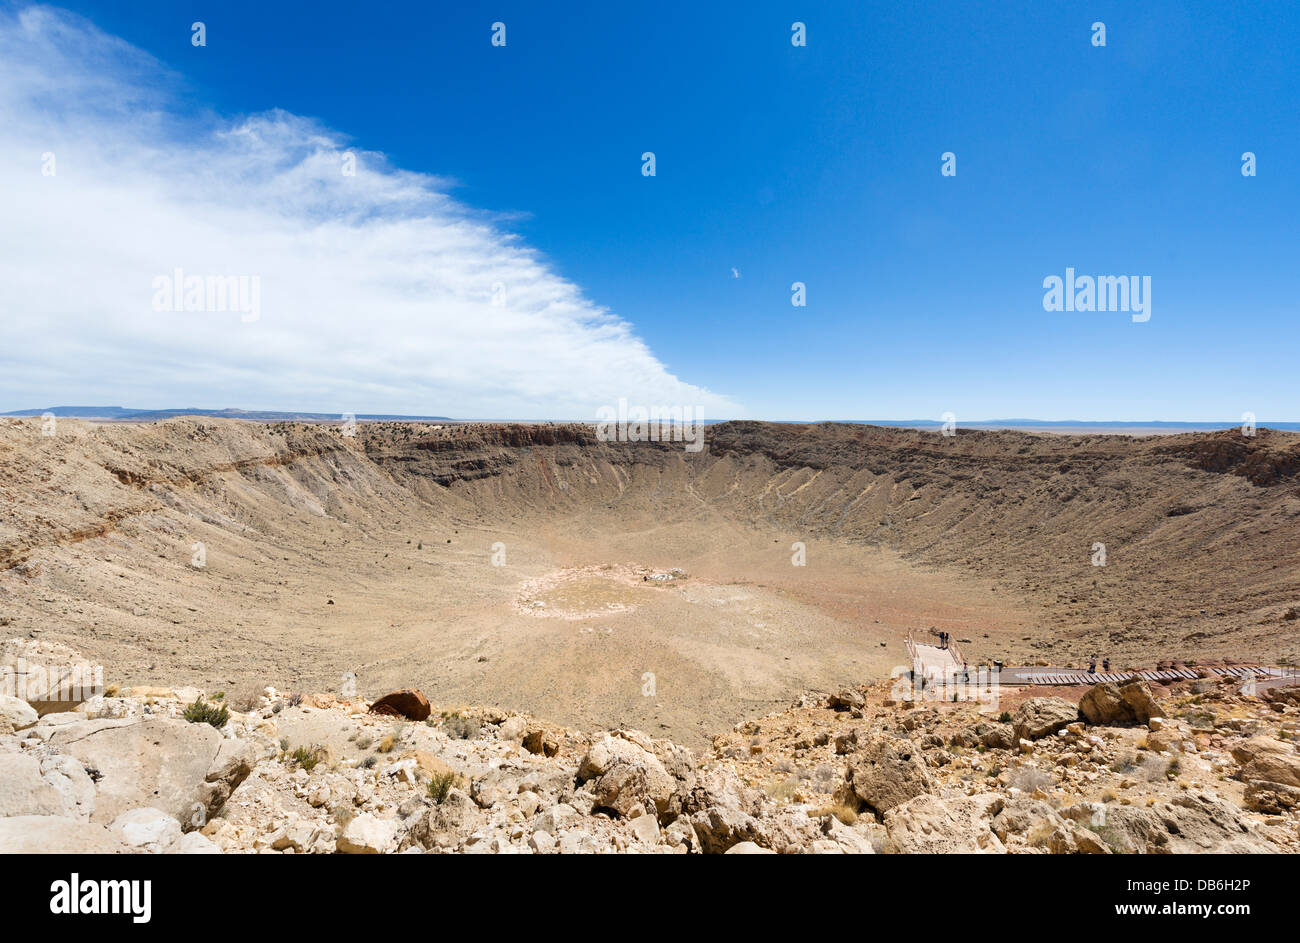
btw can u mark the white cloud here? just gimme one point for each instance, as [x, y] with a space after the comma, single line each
[376, 289]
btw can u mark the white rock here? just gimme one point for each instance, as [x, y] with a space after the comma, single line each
[556, 818]
[367, 835]
[513, 729]
[194, 843]
[748, 848]
[24, 792]
[150, 830]
[18, 712]
[53, 835]
[646, 829]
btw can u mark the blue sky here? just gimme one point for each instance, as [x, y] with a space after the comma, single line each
[817, 164]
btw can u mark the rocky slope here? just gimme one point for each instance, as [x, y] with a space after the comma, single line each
[1195, 768]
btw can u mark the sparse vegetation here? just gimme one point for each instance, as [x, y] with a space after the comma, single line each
[841, 810]
[306, 757]
[246, 698]
[440, 785]
[458, 727]
[202, 713]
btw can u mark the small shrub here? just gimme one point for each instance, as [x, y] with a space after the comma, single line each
[784, 790]
[1154, 768]
[841, 810]
[440, 785]
[201, 713]
[1004, 717]
[1040, 835]
[386, 745]
[247, 698]
[460, 728]
[306, 758]
[369, 762]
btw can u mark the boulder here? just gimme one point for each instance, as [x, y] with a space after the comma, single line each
[367, 835]
[886, 773]
[185, 770]
[1271, 798]
[408, 703]
[1280, 768]
[847, 700]
[55, 835]
[995, 736]
[1190, 823]
[194, 843]
[848, 840]
[748, 848]
[1271, 771]
[54, 677]
[646, 829]
[1113, 705]
[624, 773]
[722, 812]
[448, 824]
[23, 791]
[513, 729]
[17, 713]
[927, 824]
[148, 830]
[541, 741]
[70, 779]
[428, 765]
[1042, 716]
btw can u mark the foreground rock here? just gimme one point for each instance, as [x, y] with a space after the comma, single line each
[1111, 704]
[186, 770]
[321, 775]
[887, 773]
[1039, 717]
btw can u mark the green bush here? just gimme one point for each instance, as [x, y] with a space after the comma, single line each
[306, 757]
[440, 785]
[201, 713]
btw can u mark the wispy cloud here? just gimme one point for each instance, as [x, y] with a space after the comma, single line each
[379, 291]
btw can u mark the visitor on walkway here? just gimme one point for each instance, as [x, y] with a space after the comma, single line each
[1092, 665]
[1105, 664]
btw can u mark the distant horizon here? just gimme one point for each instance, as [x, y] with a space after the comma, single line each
[317, 415]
